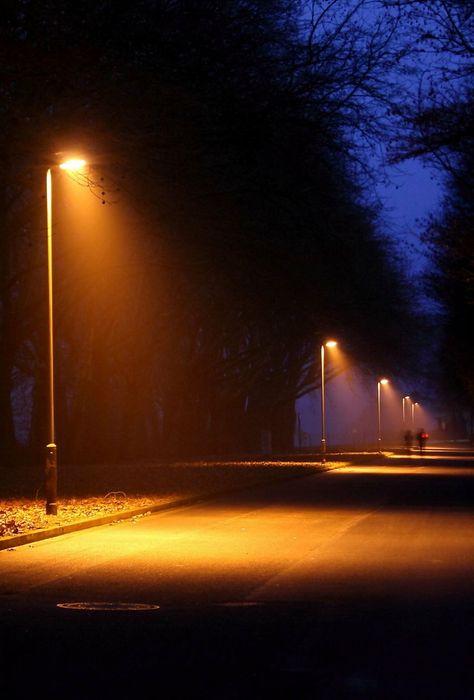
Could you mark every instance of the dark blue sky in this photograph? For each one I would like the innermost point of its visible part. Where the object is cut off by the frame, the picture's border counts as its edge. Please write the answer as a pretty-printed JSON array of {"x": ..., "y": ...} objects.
[{"x": 414, "y": 192}]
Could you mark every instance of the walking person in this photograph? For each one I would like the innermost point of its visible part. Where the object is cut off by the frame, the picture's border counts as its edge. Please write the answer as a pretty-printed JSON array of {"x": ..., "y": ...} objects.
[{"x": 422, "y": 438}]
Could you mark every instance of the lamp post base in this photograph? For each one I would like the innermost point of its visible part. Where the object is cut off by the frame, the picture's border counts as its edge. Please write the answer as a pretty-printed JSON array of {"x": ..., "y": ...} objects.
[
  {"x": 323, "y": 450},
  {"x": 51, "y": 479}
]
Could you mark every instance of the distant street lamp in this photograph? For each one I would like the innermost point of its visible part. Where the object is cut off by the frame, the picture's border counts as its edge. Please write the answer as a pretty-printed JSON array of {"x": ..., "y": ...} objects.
[
  {"x": 51, "y": 473},
  {"x": 405, "y": 398},
  {"x": 415, "y": 403},
  {"x": 328, "y": 344},
  {"x": 379, "y": 422}
]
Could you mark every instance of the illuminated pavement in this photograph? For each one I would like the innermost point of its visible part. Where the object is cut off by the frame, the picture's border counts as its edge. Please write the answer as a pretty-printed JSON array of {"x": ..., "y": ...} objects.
[{"x": 358, "y": 582}]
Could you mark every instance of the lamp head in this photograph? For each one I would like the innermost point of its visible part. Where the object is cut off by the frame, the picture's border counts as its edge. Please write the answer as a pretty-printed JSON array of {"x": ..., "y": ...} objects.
[{"x": 73, "y": 164}]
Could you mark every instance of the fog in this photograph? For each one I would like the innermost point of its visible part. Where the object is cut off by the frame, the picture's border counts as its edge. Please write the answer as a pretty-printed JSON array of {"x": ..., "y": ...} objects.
[
  {"x": 352, "y": 414},
  {"x": 106, "y": 291},
  {"x": 110, "y": 297}
]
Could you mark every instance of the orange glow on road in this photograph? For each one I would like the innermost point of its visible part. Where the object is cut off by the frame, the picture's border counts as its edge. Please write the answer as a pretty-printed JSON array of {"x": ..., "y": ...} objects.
[
  {"x": 370, "y": 532},
  {"x": 266, "y": 545}
]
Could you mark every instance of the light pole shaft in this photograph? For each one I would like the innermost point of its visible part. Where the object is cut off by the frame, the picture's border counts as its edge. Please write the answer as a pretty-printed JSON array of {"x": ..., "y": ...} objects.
[
  {"x": 49, "y": 199},
  {"x": 379, "y": 433},
  {"x": 323, "y": 408},
  {"x": 51, "y": 471}
]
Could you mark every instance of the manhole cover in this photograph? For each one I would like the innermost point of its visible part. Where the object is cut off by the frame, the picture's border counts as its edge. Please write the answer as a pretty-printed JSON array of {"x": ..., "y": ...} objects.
[{"x": 109, "y": 606}]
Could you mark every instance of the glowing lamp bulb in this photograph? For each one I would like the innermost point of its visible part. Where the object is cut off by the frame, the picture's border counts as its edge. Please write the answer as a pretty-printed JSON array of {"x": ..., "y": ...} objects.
[
  {"x": 331, "y": 344},
  {"x": 73, "y": 164}
]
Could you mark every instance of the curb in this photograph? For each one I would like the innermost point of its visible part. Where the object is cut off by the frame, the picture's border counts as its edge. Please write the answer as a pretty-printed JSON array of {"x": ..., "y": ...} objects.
[{"x": 47, "y": 533}]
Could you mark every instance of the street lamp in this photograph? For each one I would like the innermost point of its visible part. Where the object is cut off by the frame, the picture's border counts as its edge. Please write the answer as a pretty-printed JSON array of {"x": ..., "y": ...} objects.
[
  {"x": 405, "y": 398},
  {"x": 415, "y": 403},
  {"x": 51, "y": 473},
  {"x": 328, "y": 344},
  {"x": 379, "y": 435}
]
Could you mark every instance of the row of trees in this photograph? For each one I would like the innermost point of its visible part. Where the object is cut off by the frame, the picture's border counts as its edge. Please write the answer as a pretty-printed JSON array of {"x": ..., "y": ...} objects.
[
  {"x": 232, "y": 228},
  {"x": 440, "y": 129}
]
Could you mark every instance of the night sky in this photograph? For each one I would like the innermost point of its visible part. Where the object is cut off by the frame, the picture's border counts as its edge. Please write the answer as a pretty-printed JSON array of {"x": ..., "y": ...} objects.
[{"x": 413, "y": 194}]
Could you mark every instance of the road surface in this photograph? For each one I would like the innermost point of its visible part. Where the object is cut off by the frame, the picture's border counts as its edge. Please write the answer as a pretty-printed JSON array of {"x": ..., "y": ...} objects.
[{"x": 357, "y": 582}]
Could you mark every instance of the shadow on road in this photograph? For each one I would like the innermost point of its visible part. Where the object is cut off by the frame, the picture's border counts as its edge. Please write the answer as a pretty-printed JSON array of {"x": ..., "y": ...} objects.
[{"x": 273, "y": 651}]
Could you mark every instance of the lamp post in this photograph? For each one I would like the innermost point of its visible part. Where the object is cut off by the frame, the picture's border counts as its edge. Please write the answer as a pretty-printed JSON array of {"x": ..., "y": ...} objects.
[
  {"x": 328, "y": 344},
  {"x": 379, "y": 422},
  {"x": 405, "y": 398},
  {"x": 51, "y": 472},
  {"x": 415, "y": 403}
]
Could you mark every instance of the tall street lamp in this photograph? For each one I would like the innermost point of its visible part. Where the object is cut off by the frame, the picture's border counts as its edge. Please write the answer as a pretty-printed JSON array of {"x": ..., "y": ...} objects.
[
  {"x": 414, "y": 404},
  {"x": 51, "y": 472},
  {"x": 379, "y": 422},
  {"x": 405, "y": 398},
  {"x": 328, "y": 344}
]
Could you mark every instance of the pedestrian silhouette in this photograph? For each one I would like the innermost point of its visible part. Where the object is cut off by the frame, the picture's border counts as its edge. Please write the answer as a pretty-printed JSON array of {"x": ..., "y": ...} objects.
[{"x": 422, "y": 437}]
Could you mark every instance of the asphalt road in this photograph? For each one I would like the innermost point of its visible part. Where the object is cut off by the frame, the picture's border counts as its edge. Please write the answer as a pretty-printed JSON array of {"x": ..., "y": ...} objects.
[{"x": 353, "y": 583}]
